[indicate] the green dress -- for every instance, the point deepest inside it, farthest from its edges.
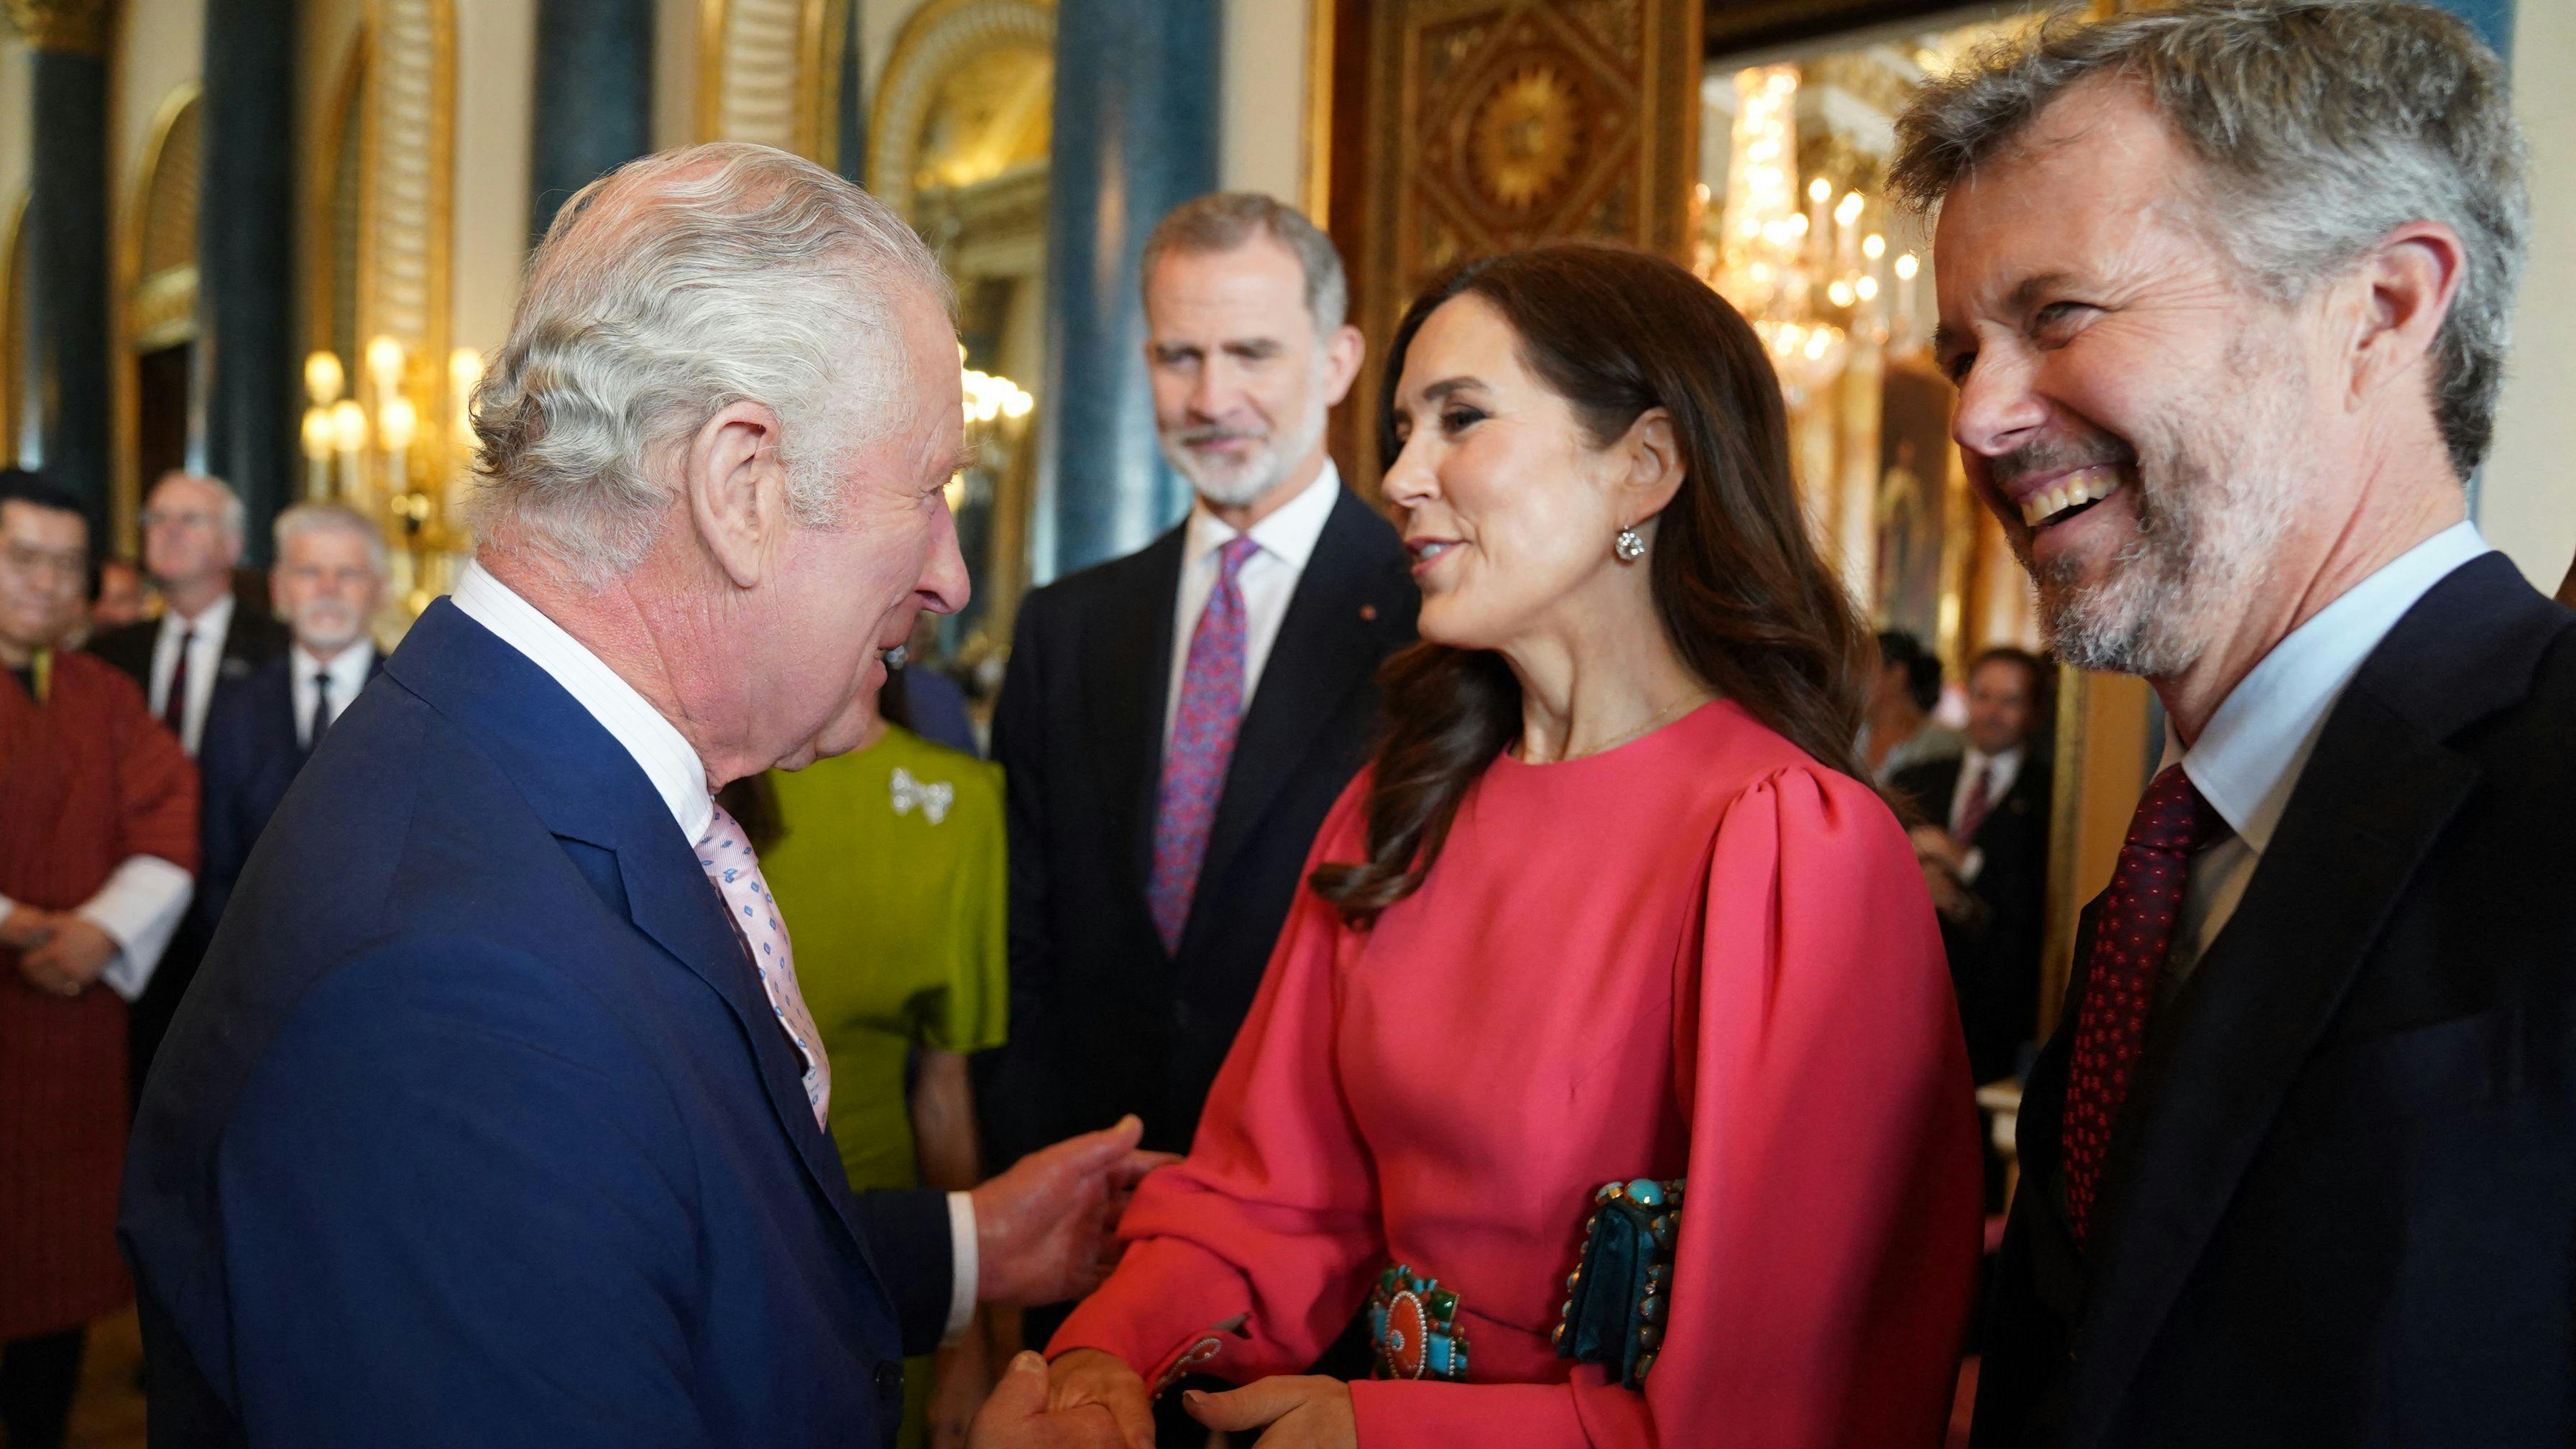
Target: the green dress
(891, 877)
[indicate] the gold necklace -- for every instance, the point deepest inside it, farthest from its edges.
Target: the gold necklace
(1686, 702)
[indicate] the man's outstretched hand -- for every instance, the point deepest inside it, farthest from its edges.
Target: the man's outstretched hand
(1044, 1231)
(1016, 1416)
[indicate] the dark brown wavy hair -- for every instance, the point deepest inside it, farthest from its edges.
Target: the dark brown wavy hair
(1748, 604)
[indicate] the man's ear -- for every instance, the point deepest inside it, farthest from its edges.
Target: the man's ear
(2413, 277)
(1654, 466)
(735, 490)
(1343, 352)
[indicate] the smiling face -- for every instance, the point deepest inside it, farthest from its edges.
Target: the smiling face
(2139, 418)
(1242, 381)
(846, 593)
(1508, 506)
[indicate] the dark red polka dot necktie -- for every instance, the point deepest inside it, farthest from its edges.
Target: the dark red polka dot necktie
(2132, 932)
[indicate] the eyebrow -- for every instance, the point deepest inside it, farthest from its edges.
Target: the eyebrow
(1946, 338)
(1448, 387)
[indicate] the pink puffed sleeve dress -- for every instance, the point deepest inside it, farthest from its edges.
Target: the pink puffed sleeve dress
(1700, 954)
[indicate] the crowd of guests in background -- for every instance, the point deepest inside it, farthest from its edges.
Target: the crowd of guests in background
(1565, 863)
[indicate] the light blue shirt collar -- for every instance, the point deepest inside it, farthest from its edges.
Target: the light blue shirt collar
(2248, 760)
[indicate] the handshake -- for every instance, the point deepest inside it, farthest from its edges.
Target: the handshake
(1046, 1232)
(60, 954)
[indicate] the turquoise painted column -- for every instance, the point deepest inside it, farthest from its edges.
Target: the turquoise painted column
(1135, 135)
(594, 110)
(67, 242)
(249, 394)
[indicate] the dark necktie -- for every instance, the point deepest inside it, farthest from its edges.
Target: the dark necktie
(1202, 746)
(323, 714)
(1973, 811)
(174, 709)
(2132, 934)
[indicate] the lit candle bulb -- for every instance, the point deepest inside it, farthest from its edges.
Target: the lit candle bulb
(1906, 266)
(1819, 192)
(317, 451)
(323, 378)
(385, 366)
(1846, 233)
(396, 421)
(349, 440)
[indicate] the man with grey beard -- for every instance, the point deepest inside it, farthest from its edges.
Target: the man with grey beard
(1176, 723)
(2225, 287)
(327, 583)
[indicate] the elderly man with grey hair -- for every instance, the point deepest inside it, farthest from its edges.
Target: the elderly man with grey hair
(497, 1116)
(2224, 286)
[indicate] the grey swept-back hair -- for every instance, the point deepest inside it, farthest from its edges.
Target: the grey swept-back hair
(306, 518)
(2320, 125)
(667, 290)
(1224, 220)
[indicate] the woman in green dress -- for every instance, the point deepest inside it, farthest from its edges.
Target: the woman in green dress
(890, 866)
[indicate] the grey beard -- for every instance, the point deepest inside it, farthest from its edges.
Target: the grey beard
(1286, 451)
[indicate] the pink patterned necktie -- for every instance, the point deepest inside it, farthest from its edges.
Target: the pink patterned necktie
(725, 852)
(1203, 729)
(2132, 933)
(1974, 809)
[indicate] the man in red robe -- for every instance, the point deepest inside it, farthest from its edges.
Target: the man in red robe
(98, 848)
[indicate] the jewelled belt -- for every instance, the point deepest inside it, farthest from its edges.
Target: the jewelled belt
(1414, 1324)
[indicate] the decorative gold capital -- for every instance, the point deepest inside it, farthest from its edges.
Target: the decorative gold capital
(70, 27)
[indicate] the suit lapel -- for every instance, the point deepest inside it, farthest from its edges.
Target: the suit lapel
(1131, 670)
(2369, 806)
(1326, 648)
(584, 786)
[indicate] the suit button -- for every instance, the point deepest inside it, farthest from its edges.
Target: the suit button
(890, 1380)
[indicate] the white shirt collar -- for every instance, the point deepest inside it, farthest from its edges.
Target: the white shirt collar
(209, 625)
(665, 757)
(1290, 533)
(2249, 758)
(348, 669)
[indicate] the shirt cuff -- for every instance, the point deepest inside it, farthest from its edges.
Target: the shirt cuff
(1970, 865)
(139, 908)
(964, 1268)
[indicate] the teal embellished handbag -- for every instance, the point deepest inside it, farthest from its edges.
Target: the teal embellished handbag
(1617, 1297)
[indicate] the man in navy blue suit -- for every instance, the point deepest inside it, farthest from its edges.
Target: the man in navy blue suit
(328, 581)
(495, 1117)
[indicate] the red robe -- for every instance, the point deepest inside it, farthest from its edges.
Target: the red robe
(88, 780)
(1699, 954)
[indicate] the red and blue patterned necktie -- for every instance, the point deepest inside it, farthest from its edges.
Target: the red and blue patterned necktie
(2132, 934)
(1202, 746)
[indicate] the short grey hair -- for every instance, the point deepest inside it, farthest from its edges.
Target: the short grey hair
(306, 518)
(236, 518)
(1224, 220)
(2321, 126)
(670, 289)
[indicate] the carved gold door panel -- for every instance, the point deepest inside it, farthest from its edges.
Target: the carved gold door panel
(1496, 124)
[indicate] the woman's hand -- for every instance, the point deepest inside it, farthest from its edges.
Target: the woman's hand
(1088, 1376)
(1301, 1413)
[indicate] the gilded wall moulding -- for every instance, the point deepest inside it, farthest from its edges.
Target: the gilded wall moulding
(775, 75)
(71, 27)
(942, 38)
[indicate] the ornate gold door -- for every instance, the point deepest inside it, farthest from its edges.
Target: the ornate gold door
(1495, 124)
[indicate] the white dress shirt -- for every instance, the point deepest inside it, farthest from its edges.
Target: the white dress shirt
(348, 673)
(681, 779)
(2003, 769)
(2248, 761)
(1268, 579)
(205, 635)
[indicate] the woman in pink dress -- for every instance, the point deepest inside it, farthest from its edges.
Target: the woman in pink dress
(1610, 906)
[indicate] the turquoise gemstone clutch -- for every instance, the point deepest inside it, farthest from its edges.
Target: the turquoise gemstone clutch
(1617, 1296)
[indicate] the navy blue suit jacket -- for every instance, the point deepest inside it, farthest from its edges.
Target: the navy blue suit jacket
(248, 756)
(478, 1129)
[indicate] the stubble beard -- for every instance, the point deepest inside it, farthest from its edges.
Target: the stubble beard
(2213, 502)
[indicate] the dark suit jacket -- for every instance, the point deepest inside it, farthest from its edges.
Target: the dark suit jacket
(252, 639)
(1104, 1021)
(248, 757)
(2343, 1209)
(1994, 962)
(496, 1140)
